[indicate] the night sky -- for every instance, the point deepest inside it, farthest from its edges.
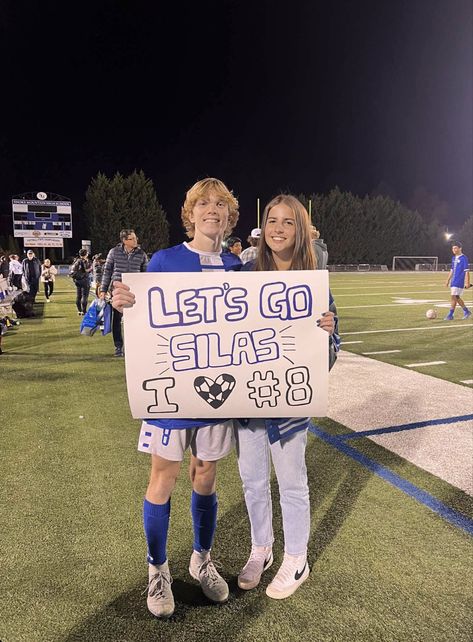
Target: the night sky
(266, 95)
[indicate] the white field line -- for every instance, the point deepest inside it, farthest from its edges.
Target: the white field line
(356, 287)
(468, 381)
(400, 294)
(437, 302)
(426, 327)
(383, 305)
(345, 343)
(426, 363)
(381, 352)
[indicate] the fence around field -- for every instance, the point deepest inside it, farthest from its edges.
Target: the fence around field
(63, 269)
(375, 267)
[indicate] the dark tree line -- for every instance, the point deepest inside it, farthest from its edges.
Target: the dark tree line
(369, 229)
(374, 229)
(122, 202)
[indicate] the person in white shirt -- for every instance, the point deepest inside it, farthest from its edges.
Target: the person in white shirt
(15, 272)
(48, 276)
(250, 253)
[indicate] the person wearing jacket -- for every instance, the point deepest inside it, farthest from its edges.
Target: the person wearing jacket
(4, 266)
(320, 248)
(97, 271)
(48, 276)
(127, 256)
(31, 272)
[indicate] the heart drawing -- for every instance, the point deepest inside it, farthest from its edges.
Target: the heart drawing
(215, 393)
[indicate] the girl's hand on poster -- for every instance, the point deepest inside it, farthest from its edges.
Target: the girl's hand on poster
(327, 322)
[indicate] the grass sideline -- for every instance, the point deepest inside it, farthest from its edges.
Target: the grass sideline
(72, 550)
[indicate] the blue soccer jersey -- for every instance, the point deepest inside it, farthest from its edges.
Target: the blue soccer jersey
(459, 269)
(183, 258)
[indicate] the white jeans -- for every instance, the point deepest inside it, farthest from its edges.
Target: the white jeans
(254, 461)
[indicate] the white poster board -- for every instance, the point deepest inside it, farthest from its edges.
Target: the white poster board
(227, 344)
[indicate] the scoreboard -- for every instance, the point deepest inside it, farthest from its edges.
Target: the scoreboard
(48, 218)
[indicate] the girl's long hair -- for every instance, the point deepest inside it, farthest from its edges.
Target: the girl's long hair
(303, 257)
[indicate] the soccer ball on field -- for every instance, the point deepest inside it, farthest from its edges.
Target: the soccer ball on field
(431, 314)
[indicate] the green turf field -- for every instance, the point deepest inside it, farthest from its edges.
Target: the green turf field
(72, 553)
(374, 302)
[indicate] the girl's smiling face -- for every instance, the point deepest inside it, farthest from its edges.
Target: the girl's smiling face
(280, 231)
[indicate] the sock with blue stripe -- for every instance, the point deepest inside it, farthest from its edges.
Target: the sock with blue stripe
(156, 524)
(204, 519)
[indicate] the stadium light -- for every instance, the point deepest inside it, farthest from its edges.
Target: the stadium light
(448, 236)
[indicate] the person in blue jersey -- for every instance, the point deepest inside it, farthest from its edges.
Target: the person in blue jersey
(285, 244)
(209, 213)
(458, 280)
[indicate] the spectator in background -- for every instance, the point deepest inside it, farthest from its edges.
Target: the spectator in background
(458, 279)
(320, 248)
(31, 272)
(127, 256)
(251, 252)
(80, 273)
(4, 266)
(234, 245)
(97, 271)
(16, 272)
(48, 276)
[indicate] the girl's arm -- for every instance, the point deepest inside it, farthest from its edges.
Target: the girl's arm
(329, 323)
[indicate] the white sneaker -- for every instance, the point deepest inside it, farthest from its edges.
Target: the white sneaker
(203, 570)
(293, 571)
(160, 599)
(261, 558)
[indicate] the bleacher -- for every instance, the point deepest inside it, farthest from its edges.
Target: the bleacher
(5, 298)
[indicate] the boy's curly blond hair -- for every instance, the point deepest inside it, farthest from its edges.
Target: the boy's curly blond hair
(201, 189)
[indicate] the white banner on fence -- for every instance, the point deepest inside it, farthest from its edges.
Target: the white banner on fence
(227, 344)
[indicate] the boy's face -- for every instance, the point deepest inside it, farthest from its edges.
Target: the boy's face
(210, 216)
(456, 250)
(236, 248)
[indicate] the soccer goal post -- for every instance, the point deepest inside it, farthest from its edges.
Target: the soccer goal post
(416, 263)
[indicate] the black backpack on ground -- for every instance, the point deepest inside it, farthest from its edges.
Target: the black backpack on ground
(22, 305)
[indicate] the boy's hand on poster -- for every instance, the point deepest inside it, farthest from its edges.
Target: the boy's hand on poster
(122, 297)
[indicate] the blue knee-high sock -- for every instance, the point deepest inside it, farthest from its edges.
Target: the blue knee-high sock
(204, 519)
(156, 524)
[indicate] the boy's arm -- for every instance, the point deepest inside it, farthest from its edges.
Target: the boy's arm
(448, 278)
